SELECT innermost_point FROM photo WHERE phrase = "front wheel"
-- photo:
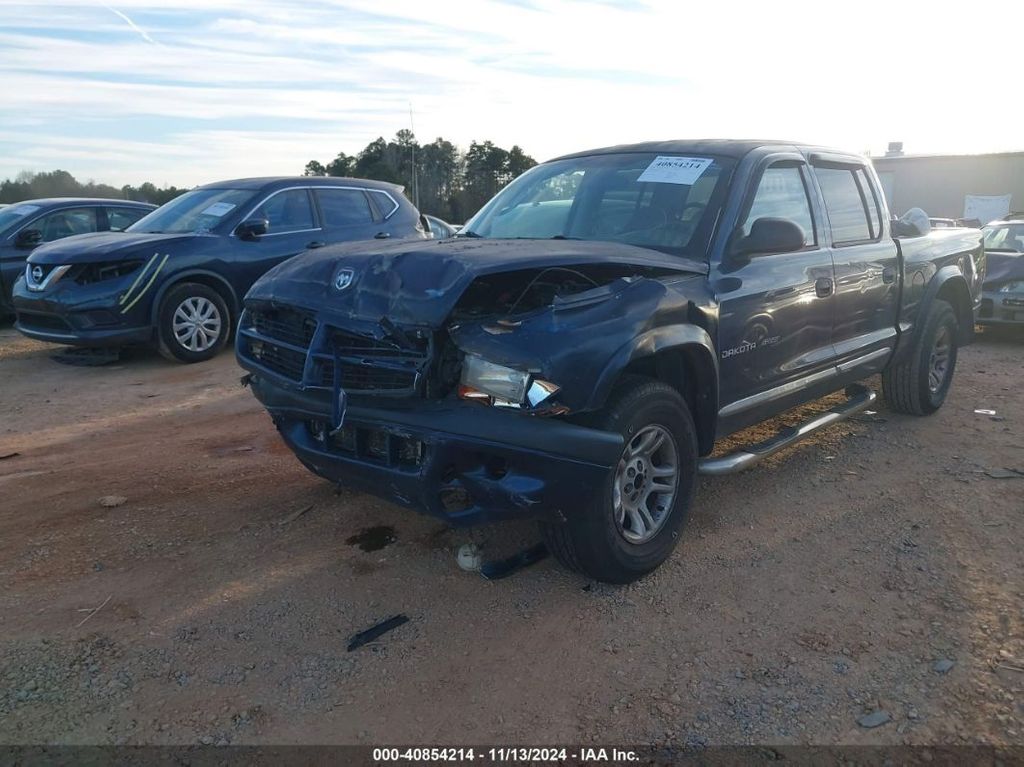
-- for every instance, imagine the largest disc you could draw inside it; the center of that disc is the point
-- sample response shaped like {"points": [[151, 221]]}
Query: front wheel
{"points": [[643, 504], [920, 383], [193, 323]]}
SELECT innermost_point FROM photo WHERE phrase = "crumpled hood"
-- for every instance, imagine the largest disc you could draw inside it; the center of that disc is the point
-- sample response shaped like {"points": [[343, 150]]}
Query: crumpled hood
{"points": [[1002, 267], [418, 282], [105, 246]]}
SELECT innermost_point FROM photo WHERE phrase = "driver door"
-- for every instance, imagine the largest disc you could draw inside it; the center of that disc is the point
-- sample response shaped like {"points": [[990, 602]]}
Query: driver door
{"points": [[293, 228]]}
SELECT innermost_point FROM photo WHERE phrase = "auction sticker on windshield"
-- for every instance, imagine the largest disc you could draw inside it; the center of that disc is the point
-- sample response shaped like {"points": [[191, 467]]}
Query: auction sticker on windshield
{"points": [[218, 209], [675, 170]]}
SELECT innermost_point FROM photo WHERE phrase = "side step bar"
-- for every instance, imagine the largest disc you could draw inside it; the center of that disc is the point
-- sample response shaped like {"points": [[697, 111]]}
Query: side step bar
{"points": [[859, 398]]}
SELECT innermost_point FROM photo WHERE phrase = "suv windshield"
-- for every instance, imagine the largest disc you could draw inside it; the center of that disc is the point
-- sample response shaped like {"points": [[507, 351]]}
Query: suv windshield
{"points": [[1008, 237], [197, 211], [664, 202]]}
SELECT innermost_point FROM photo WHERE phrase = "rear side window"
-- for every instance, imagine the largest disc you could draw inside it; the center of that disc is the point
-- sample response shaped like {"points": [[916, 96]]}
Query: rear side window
{"points": [[871, 200], [287, 211], [781, 194], [120, 219], [64, 223], [344, 207], [846, 207]]}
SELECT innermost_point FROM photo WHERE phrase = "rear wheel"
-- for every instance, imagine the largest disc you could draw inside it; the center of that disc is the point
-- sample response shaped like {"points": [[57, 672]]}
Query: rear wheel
{"points": [[193, 323], [920, 383], [642, 506]]}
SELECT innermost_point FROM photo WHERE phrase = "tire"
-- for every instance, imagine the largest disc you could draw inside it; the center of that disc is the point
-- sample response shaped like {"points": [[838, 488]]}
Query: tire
{"points": [[594, 541], [916, 386], [185, 302]]}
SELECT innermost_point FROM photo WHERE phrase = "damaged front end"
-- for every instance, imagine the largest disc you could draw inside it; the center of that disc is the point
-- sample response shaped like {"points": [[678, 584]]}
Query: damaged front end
{"points": [[468, 414]]}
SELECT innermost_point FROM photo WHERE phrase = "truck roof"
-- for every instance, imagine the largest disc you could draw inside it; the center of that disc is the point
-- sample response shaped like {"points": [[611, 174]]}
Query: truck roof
{"points": [[735, 148]]}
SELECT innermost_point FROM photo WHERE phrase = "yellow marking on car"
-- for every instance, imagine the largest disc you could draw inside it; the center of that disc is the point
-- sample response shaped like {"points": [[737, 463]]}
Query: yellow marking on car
{"points": [[149, 284], [138, 279]]}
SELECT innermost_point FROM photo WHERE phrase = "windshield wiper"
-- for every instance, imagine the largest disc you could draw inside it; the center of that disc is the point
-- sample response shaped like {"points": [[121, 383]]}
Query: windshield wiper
{"points": [[565, 237], [467, 233]]}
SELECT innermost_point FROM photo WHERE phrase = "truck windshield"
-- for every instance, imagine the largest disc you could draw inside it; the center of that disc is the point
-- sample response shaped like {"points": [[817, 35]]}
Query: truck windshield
{"points": [[197, 211], [665, 202], [1008, 237]]}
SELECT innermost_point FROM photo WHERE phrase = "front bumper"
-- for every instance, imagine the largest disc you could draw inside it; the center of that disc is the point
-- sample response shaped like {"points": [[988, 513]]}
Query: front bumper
{"points": [[80, 315], [462, 462], [998, 308]]}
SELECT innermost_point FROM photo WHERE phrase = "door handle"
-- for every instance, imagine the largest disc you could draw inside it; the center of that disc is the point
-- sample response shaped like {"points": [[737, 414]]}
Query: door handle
{"points": [[382, 235], [888, 275], [315, 244], [823, 287]]}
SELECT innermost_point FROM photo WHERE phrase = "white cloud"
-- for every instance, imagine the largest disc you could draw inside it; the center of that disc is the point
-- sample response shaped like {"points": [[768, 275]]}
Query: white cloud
{"points": [[252, 87]]}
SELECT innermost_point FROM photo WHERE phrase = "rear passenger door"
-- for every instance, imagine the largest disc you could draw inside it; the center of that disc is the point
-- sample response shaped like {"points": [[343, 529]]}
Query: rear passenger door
{"points": [[347, 214], [865, 258], [775, 309]]}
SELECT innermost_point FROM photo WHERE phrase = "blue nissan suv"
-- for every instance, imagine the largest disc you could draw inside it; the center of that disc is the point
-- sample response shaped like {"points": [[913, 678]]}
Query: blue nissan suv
{"points": [[25, 226], [176, 278]]}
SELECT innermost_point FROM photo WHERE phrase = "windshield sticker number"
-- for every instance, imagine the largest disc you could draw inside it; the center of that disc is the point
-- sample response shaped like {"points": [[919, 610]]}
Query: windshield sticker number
{"points": [[218, 209], [675, 170]]}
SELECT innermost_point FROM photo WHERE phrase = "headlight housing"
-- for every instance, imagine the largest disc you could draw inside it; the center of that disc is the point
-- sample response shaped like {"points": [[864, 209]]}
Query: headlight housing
{"points": [[1012, 287], [499, 385], [483, 380], [108, 270]]}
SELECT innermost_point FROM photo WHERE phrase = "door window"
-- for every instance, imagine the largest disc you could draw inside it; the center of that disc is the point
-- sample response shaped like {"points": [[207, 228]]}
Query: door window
{"points": [[871, 200], [344, 207], [121, 218], [845, 205], [64, 223], [287, 211], [781, 193]]}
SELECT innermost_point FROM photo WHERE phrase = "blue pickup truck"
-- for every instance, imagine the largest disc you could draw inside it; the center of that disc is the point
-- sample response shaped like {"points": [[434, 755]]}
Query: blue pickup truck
{"points": [[576, 351]]}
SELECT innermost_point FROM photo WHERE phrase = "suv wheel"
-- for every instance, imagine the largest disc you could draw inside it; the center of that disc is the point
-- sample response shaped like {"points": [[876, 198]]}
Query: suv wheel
{"points": [[642, 506], [920, 383], [193, 323]]}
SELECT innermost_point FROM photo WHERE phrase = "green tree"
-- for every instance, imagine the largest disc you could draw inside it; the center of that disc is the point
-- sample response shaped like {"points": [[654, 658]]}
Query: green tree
{"points": [[59, 183], [314, 168], [342, 165]]}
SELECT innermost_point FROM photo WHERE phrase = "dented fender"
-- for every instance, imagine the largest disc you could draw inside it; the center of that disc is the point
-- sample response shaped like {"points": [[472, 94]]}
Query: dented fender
{"points": [[571, 343], [673, 337]]}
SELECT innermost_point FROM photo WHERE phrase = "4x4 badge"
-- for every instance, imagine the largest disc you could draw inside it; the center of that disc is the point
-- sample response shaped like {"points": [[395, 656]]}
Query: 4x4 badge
{"points": [[344, 279]]}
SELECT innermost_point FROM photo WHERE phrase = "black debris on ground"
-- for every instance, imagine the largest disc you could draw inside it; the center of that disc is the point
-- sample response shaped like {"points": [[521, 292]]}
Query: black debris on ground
{"points": [[87, 358], [375, 632]]}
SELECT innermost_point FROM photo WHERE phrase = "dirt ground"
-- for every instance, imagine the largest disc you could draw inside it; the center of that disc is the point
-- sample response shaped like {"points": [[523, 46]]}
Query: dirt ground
{"points": [[877, 568]]}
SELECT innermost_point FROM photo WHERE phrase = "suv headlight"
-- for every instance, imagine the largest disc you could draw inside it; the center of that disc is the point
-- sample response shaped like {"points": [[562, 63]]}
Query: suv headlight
{"points": [[503, 386], [1012, 287]]}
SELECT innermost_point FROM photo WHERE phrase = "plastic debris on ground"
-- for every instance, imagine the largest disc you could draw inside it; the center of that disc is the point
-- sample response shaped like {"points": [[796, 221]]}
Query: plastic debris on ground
{"points": [[87, 358], [469, 558], [375, 632], [503, 568]]}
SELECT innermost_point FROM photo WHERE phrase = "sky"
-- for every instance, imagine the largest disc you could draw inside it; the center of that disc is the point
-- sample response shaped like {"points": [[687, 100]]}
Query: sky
{"points": [[193, 91]]}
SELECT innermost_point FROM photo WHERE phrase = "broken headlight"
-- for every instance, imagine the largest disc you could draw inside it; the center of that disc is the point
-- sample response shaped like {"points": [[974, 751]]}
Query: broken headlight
{"points": [[90, 273], [483, 380], [494, 384]]}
